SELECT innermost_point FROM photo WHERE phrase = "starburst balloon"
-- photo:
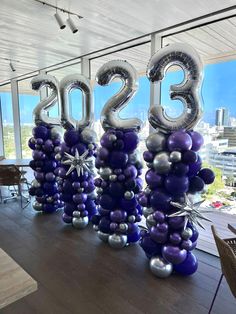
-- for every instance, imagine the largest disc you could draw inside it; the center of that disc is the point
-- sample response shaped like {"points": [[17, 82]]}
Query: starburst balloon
{"points": [[79, 162], [190, 211]]}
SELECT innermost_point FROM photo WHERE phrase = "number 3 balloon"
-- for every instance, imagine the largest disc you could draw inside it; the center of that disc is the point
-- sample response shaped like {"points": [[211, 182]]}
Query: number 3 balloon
{"points": [[110, 113], [187, 58]]}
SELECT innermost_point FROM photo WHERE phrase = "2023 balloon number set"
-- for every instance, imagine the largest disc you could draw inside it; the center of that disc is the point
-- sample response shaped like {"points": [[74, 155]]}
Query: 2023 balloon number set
{"points": [[114, 198]]}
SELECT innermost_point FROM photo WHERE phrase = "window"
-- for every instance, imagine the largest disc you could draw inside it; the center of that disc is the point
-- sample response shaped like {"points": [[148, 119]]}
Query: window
{"points": [[7, 121], [28, 99]]}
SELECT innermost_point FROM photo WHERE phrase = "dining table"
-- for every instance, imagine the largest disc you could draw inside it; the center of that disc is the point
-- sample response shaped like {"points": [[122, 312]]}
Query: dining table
{"points": [[15, 282]]}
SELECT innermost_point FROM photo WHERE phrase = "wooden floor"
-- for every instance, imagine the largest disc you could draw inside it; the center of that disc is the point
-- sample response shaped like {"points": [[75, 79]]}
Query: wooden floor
{"points": [[77, 274], [220, 221]]}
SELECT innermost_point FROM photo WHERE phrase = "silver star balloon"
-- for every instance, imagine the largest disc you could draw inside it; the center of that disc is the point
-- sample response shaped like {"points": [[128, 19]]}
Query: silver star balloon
{"points": [[190, 211], [79, 162]]}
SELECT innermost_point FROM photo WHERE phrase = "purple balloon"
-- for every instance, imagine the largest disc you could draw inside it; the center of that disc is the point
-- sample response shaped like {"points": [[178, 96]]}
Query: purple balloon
{"points": [[76, 185], [143, 201], [118, 159], [66, 218], [195, 232], [118, 215], [39, 176], [40, 132], [130, 141], [153, 179], [189, 157], [113, 226], [104, 225], [175, 238], [130, 172], [103, 153], [187, 245], [49, 208], [31, 144], [148, 156], [179, 141], [176, 222], [207, 175], [173, 254], [160, 200], [159, 216], [71, 137], [48, 146], [61, 172], [196, 184], [195, 167], [69, 208], [37, 155], [105, 140], [133, 237], [162, 227], [67, 187], [49, 165], [107, 202], [150, 247], [180, 169], [197, 140], [79, 198], [128, 204], [188, 266], [158, 236], [176, 185], [50, 176]]}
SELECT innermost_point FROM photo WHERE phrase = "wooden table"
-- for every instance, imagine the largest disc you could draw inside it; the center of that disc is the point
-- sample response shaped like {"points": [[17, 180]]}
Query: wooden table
{"points": [[15, 283], [16, 162], [232, 227]]}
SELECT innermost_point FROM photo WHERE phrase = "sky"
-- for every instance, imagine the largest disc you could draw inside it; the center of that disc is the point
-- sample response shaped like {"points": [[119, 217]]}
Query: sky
{"points": [[218, 90]]}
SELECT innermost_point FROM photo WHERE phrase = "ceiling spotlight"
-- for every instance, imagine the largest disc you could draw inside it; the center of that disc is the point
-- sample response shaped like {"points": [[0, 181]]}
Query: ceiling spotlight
{"points": [[59, 20], [12, 67], [72, 25]]}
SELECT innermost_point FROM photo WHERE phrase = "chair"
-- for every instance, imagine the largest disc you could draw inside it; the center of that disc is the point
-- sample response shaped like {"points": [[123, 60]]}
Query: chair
{"points": [[2, 157], [11, 176], [227, 253]]}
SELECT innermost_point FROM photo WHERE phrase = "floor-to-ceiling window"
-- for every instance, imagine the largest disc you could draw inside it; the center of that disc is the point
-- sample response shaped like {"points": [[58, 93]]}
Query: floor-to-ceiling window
{"points": [[7, 121]]}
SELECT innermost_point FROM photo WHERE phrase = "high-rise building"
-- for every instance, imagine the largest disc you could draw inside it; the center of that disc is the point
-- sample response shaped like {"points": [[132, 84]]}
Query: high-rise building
{"points": [[222, 117]]}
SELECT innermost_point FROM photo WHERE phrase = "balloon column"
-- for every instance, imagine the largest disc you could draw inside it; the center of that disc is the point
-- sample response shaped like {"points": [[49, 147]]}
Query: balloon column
{"points": [[77, 156], [175, 175], [45, 144], [118, 163]]}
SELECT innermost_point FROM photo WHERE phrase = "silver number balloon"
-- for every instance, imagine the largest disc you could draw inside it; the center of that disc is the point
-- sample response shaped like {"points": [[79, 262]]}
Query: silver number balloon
{"points": [[110, 114], [69, 83], [40, 114], [187, 92]]}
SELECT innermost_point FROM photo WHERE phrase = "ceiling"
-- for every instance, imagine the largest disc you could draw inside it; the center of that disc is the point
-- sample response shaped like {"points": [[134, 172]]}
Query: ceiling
{"points": [[29, 33]]}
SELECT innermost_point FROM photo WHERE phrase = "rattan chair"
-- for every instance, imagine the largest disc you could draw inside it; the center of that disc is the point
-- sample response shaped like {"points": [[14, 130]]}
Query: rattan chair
{"points": [[227, 253], [11, 176]]}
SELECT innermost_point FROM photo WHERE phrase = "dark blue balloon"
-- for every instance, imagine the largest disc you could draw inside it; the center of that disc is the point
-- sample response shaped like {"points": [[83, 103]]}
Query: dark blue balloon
{"points": [[207, 175], [116, 189], [104, 225], [180, 169], [118, 159], [188, 267], [150, 247], [133, 237], [196, 184], [41, 132], [71, 137], [107, 202], [128, 204], [130, 141], [195, 167], [160, 200]]}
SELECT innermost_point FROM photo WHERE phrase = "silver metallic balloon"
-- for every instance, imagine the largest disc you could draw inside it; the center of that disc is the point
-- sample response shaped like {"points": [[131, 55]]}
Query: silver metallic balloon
{"points": [[76, 213], [67, 84], [160, 268], [186, 233], [37, 206], [183, 55], [135, 158], [103, 236], [92, 195], [40, 112], [35, 184], [117, 241], [113, 177], [105, 173], [112, 138], [131, 218], [147, 211], [151, 221], [80, 223], [175, 156], [56, 132], [58, 156], [156, 142], [89, 136], [110, 113], [123, 227], [129, 195], [161, 163]]}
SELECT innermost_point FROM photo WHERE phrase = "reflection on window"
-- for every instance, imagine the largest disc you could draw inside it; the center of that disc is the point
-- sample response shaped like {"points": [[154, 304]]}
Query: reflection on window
{"points": [[7, 120], [28, 99]]}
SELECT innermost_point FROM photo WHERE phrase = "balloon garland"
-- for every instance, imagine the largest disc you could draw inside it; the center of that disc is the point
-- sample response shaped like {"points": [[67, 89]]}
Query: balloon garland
{"points": [[45, 144], [77, 155], [175, 174], [118, 163]]}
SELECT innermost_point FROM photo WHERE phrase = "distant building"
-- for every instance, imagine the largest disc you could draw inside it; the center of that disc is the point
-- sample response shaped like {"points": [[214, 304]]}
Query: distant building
{"points": [[222, 117], [229, 133]]}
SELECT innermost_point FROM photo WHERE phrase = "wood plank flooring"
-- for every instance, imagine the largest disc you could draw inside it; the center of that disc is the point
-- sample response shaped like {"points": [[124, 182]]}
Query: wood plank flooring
{"points": [[78, 274]]}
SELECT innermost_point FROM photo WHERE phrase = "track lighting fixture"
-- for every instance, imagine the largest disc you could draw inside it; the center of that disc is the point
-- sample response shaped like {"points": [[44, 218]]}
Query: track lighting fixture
{"points": [[12, 67], [60, 21], [72, 25]]}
